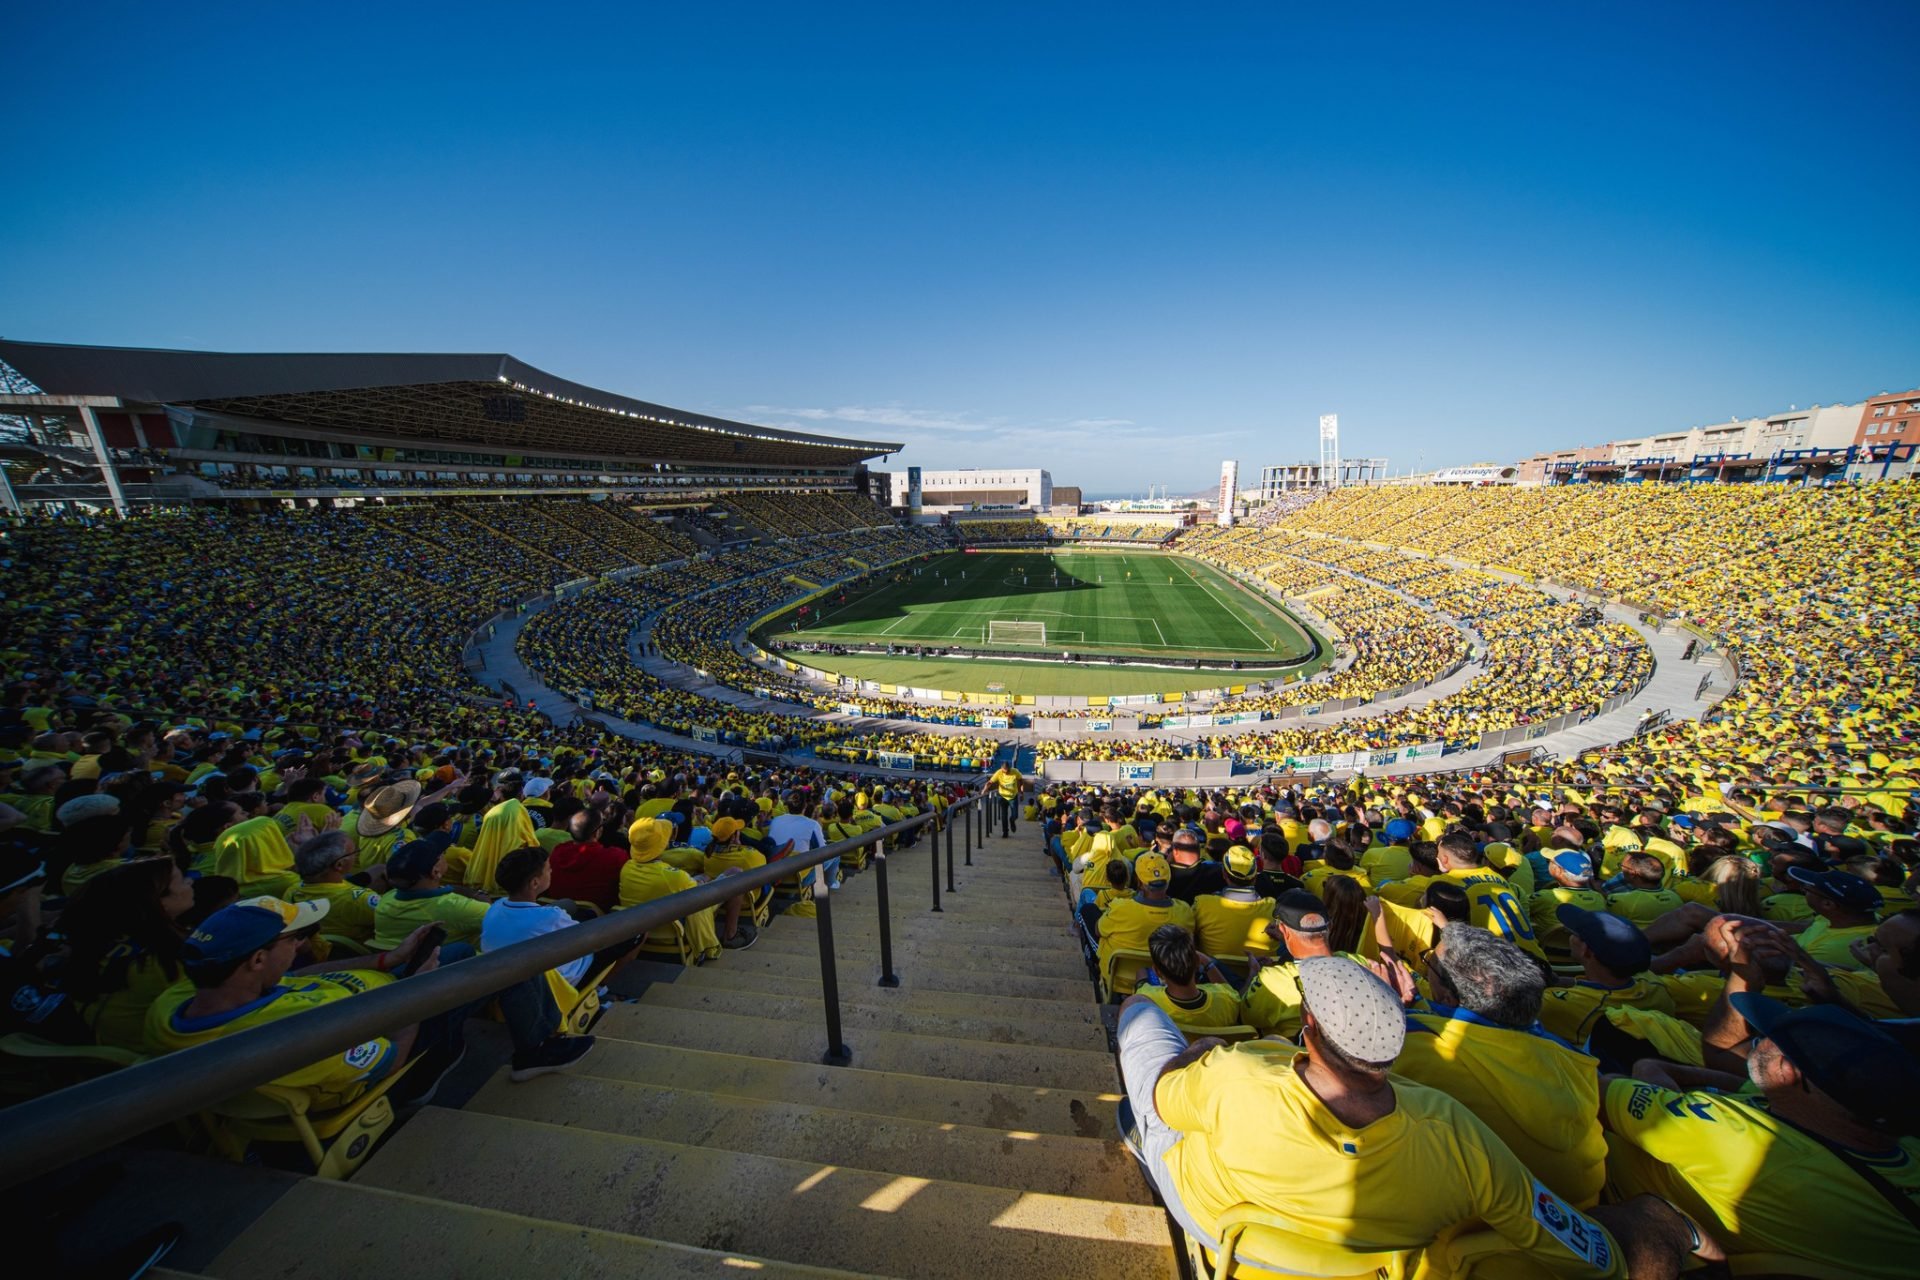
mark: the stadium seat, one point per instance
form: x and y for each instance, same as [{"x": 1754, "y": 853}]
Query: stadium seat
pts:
[
  {"x": 336, "y": 1142},
  {"x": 1122, "y": 973}
]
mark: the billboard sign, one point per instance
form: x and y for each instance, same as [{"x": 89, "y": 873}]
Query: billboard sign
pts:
[{"x": 1229, "y": 485}]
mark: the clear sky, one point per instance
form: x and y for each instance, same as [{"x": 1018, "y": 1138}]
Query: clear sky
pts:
[{"x": 1119, "y": 242}]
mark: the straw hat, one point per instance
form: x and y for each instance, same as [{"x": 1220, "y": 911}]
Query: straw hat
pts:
[{"x": 388, "y": 808}]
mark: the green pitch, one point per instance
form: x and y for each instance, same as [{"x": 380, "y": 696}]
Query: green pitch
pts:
[{"x": 1091, "y": 603}]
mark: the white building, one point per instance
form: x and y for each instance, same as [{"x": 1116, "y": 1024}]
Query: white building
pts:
[{"x": 972, "y": 488}]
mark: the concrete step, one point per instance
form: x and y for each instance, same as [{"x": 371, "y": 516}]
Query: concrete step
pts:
[
  {"x": 794, "y": 1210},
  {"x": 998, "y": 1028},
  {"x": 925, "y": 989},
  {"x": 997, "y": 1157},
  {"x": 1040, "y": 1065},
  {"x": 1086, "y": 1111},
  {"x": 325, "y": 1230},
  {"x": 1057, "y": 958},
  {"x": 984, "y": 930}
]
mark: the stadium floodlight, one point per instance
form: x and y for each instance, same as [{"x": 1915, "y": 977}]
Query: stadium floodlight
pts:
[{"x": 1004, "y": 632}]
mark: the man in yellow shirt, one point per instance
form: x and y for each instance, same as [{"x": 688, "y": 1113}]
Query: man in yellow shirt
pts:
[
  {"x": 1495, "y": 904},
  {"x": 1354, "y": 1169},
  {"x": 1645, "y": 899},
  {"x": 1299, "y": 931},
  {"x": 323, "y": 863},
  {"x": 1481, "y": 1043},
  {"x": 646, "y": 877},
  {"x": 1822, "y": 1163},
  {"x": 1571, "y": 884},
  {"x": 1845, "y": 911},
  {"x": 1233, "y": 922},
  {"x": 1128, "y": 922},
  {"x": 1194, "y": 1005},
  {"x": 1008, "y": 782},
  {"x": 1614, "y": 957}
]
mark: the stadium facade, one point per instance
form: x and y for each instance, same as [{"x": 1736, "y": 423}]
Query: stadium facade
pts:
[
  {"x": 121, "y": 426},
  {"x": 970, "y": 488},
  {"x": 1818, "y": 443}
]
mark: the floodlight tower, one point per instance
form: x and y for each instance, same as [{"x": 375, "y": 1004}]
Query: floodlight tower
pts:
[{"x": 1330, "y": 450}]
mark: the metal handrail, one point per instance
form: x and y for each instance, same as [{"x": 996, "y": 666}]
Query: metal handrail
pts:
[{"x": 58, "y": 1128}]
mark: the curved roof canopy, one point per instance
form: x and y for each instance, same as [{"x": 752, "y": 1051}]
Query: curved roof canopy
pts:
[{"x": 487, "y": 400}]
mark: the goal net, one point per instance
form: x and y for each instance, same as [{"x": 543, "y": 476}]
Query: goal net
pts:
[{"x": 1016, "y": 632}]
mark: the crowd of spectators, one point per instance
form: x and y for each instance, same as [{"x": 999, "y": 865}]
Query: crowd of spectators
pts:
[{"x": 1682, "y": 1016}]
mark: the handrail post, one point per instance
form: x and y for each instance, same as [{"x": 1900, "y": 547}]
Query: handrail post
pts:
[
  {"x": 934, "y": 862},
  {"x": 936, "y": 854},
  {"x": 888, "y": 978},
  {"x": 837, "y": 1054},
  {"x": 967, "y": 834},
  {"x": 967, "y": 844}
]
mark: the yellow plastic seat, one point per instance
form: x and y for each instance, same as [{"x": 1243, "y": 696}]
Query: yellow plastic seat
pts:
[
  {"x": 1121, "y": 973},
  {"x": 39, "y": 1066},
  {"x": 1248, "y": 1234},
  {"x": 336, "y": 1142},
  {"x": 670, "y": 941}
]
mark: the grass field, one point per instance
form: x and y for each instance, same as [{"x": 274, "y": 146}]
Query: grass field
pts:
[{"x": 1137, "y": 604}]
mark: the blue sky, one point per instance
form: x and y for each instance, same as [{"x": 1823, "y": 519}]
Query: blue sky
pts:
[{"x": 1120, "y": 242}]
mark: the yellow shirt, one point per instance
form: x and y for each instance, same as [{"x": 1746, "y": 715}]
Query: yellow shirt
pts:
[
  {"x": 1497, "y": 907},
  {"x": 644, "y": 881},
  {"x": 1546, "y": 925},
  {"x": 1395, "y": 1184},
  {"x": 350, "y": 909},
  {"x": 1232, "y": 926},
  {"x": 1219, "y": 1007},
  {"x": 1313, "y": 878},
  {"x": 1129, "y": 922},
  {"x": 1570, "y": 1012},
  {"x": 1539, "y": 1095},
  {"x": 332, "y": 1082},
  {"x": 1834, "y": 947},
  {"x": 1758, "y": 1184},
  {"x": 1643, "y": 906}
]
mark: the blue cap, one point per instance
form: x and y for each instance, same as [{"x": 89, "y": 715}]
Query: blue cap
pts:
[
  {"x": 1400, "y": 829},
  {"x": 1681, "y": 820},
  {"x": 1615, "y": 941},
  {"x": 701, "y": 838},
  {"x": 245, "y": 927},
  {"x": 1575, "y": 864},
  {"x": 414, "y": 860},
  {"x": 1849, "y": 1059},
  {"x": 1843, "y": 887}
]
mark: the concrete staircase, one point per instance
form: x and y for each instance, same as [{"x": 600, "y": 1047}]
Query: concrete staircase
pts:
[{"x": 973, "y": 1135}]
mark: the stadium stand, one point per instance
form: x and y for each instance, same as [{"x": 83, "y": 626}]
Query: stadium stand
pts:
[{"x": 1582, "y": 1016}]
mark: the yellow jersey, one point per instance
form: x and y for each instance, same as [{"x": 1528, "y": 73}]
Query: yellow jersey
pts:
[
  {"x": 1547, "y": 928},
  {"x": 1228, "y": 924},
  {"x": 350, "y": 908},
  {"x": 332, "y": 1082},
  {"x": 1834, "y": 947},
  {"x": 1571, "y": 1012},
  {"x": 1541, "y": 1096},
  {"x": 1643, "y": 906},
  {"x": 1758, "y": 1184},
  {"x": 1218, "y": 1006},
  {"x": 1496, "y": 906},
  {"x": 1395, "y": 1184},
  {"x": 1129, "y": 922}
]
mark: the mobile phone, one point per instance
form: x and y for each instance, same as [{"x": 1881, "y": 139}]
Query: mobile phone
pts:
[{"x": 436, "y": 935}]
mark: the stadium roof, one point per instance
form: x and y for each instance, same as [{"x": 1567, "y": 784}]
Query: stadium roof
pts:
[{"x": 492, "y": 400}]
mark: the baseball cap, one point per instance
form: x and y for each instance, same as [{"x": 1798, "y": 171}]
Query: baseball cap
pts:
[
  {"x": 1354, "y": 1010},
  {"x": 414, "y": 860},
  {"x": 1238, "y": 862},
  {"x": 1152, "y": 869},
  {"x": 1301, "y": 911},
  {"x": 1614, "y": 940},
  {"x": 1850, "y": 1060},
  {"x": 1575, "y": 864},
  {"x": 80, "y": 808},
  {"x": 1843, "y": 887},
  {"x": 1399, "y": 829},
  {"x": 248, "y": 925},
  {"x": 725, "y": 829},
  {"x": 536, "y": 787}
]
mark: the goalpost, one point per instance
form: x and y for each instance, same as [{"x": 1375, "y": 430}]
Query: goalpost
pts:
[{"x": 999, "y": 632}]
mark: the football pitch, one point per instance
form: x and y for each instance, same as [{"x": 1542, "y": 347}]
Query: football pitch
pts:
[{"x": 1092, "y": 604}]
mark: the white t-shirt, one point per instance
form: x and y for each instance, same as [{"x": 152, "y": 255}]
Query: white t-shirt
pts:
[
  {"x": 803, "y": 831},
  {"x": 508, "y": 922}
]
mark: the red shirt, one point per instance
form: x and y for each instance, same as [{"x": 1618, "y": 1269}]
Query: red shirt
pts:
[{"x": 587, "y": 873}]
